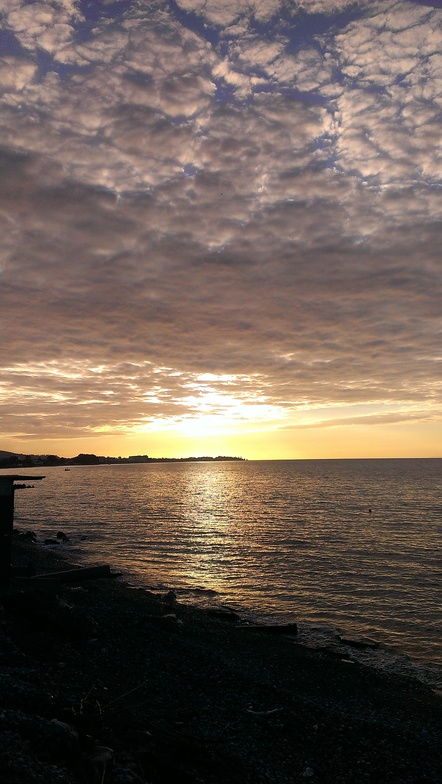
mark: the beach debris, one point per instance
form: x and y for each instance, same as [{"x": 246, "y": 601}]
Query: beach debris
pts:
[
  {"x": 77, "y": 575},
  {"x": 251, "y": 710},
  {"x": 274, "y": 628},
  {"x": 224, "y": 614},
  {"x": 123, "y": 696},
  {"x": 101, "y": 755},
  {"x": 101, "y": 758},
  {"x": 359, "y": 642}
]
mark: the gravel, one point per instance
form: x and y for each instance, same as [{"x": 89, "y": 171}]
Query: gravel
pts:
[{"x": 104, "y": 683}]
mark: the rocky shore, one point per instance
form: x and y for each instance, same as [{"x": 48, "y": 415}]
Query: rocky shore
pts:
[{"x": 103, "y": 683}]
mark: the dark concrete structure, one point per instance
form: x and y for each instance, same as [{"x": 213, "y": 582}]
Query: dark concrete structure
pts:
[{"x": 7, "y": 489}]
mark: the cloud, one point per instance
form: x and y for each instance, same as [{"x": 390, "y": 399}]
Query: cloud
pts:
[
  {"x": 48, "y": 26},
  {"x": 371, "y": 420},
  {"x": 386, "y": 59},
  {"x": 15, "y": 73},
  {"x": 230, "y": 11},
  {"x": 261, "y": 208}
]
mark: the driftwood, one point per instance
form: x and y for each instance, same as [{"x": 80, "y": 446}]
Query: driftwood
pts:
[
  {"x": 77, "y": 575},
  {"x": 277, "y": 628},
  {"x": 359, "y": 642}
]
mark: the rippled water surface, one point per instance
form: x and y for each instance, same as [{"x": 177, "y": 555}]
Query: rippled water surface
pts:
[{"x": 347, "y": 544}]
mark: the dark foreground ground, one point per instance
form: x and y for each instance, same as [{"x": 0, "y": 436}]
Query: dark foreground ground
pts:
[{"x": 102, "y": 683}]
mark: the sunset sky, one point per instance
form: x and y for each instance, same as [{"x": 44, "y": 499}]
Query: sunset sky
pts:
[{"x": 221, "y": 228}]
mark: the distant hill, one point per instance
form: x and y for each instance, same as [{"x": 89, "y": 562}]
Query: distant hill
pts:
[{"x": 16, "y": 460}]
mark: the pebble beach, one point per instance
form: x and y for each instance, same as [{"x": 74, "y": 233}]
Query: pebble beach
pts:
[{"x": 104, "y": 682}]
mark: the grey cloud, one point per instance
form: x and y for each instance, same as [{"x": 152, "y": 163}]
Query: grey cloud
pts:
[
  {"x": 391, "y": 52},
  {"x": 118, "y": 398},
  {"x": 328, "y": 6},
  {"x": 256, "y": 52},
  {"x": 15, "y": 73},
  {"x": 372, "y": 419},
  {"x": 230, "y": 11},
  {"x": 45, "y": 25},
  {"x": 217, "y": 13},
  {"x": 291, "y": 245}
]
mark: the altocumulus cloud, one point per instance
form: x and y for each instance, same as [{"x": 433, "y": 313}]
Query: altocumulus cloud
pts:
[{"x": 231, "y": 205}]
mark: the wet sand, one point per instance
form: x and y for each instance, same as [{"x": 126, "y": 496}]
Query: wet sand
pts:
[{"x": 101, "y": 682}]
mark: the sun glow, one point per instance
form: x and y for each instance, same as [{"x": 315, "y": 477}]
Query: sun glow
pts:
[
  {"x": 210, "y": 405},
  {"x": 213, "y": 413},
  {"x": 141, "y": 408}
]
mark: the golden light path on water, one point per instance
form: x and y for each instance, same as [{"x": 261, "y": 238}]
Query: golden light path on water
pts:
[{"x": 289, "y": 540}]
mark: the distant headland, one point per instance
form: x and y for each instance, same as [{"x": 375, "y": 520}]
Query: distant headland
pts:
[{"x": 15, "y": 460}]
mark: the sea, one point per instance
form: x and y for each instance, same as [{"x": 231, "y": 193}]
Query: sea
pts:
[{"x": 350, "y": 550}]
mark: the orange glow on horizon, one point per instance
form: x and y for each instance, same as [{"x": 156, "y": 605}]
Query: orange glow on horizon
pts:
[
  {"x": 352, "y": 441},
  {"x": 166, "y": 413}
]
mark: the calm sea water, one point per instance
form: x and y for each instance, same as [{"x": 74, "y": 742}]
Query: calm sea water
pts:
[{"x": 287, "y": 540}]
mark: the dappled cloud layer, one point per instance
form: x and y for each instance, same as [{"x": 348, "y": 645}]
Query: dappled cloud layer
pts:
[{"x": 226, "y": 212}]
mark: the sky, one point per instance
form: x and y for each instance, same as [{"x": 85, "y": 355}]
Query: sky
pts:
[{"x": 221, "y": 228}]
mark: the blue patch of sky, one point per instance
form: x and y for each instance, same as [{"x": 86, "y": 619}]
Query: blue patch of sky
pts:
[
  {"x": 431, "y": 3},
  {"x": 225, "y": 93},
  {"x": 375, "y": 89},
  {"x": 190, "y": 170},
  {"x": 83, "y": 31},
  {"x": 66, "y": 70},
  {"x": 325, "y": 144},
  {"x": 94, "y": 11},
  {"x": 139, "y": 79},
  {"x": 9, "y": 45},
  {"x": 312, "y": 98},
  {"x": 178, "y": 119},
  {"x": 401, "y": 80},
  {"x": 195, "y": 23},
  {"x": 47, "y": 63},
  {"x": 303, "y": 29}
]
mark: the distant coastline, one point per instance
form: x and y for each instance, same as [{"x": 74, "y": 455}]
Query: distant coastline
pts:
[{"x": 15, "y": 460}]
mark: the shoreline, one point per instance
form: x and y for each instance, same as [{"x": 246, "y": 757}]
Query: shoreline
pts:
[
  {"x": 381, "y": 584},
  {"x": 381, "y": 652},
  {"x": 110, "y": 683}
]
